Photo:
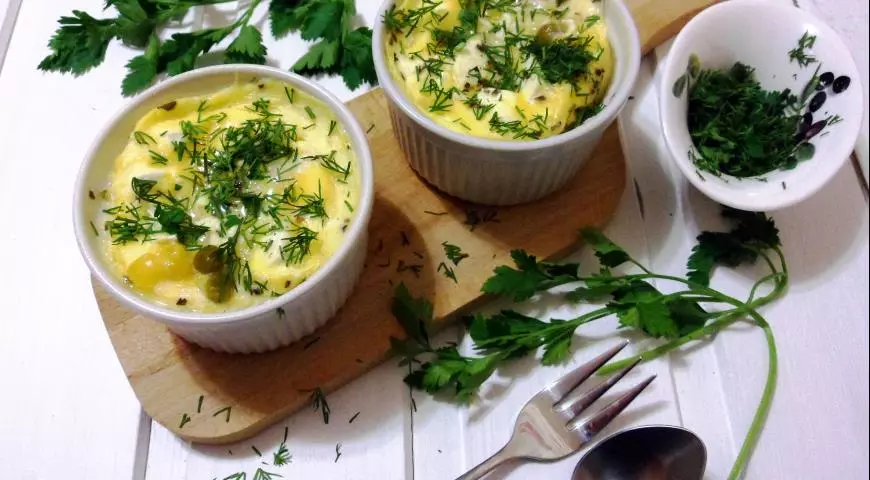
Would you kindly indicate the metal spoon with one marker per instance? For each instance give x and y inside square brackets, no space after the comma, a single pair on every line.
[653,452]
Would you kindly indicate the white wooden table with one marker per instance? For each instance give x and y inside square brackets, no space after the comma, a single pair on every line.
[67,412]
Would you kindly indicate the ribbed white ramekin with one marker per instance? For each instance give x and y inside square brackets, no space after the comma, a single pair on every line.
[269,325]
[501,172]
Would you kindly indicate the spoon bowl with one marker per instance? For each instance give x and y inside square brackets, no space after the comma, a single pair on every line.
[651,452]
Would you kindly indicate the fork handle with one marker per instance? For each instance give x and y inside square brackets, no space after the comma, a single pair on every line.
[487,465]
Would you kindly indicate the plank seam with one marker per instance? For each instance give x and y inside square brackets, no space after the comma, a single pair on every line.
[7,27]
[143,447]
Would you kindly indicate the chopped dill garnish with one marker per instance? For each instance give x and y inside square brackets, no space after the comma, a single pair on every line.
[414,268]
[297,246]
[799,53]
[328,162]
[228,410]
[157,158]
[447,271]
[454,253]
[143,138]
[476,217]
[318,402]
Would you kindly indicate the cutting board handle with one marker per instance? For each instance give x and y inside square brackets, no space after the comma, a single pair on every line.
[659,20]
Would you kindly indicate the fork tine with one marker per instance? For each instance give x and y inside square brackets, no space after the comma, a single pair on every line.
[577,405]
[602,418]
[563,386]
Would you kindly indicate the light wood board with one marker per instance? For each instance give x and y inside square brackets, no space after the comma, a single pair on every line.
[170,375]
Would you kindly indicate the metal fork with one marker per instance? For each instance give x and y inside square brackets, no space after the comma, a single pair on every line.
[548,426]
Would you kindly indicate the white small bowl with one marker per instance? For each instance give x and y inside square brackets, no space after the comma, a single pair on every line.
[268,325]
[760,34]
[500,172]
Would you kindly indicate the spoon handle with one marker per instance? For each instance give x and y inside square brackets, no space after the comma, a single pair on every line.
[487,465]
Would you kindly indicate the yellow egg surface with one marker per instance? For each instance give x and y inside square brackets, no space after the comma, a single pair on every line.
[223,201]
[501,69]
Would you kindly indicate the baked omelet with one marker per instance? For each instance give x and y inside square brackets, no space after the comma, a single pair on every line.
[501,69]
[222,201]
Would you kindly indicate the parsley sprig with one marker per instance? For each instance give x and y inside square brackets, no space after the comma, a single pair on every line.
[677,318]
[81,41]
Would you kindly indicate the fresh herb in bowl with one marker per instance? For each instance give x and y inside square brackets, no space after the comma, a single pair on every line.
[740,129]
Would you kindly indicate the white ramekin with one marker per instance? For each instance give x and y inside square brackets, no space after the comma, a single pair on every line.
[500,172]
[269,325]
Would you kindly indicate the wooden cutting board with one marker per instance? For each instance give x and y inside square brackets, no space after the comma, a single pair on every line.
[188,389]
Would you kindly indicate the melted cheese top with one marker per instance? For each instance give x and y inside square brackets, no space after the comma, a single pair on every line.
[270,212]
[496,68]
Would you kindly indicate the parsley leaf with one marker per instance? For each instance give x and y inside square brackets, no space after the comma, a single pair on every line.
[322,57]
[327,19]
[285,16]
[450,369]
[357,63]
[142,70]
[247,47]
[135,25]
[528,277]
[642,306]
[351,58]
[180,52]
[412,313]
[753,233]
[79,44]
[609,254]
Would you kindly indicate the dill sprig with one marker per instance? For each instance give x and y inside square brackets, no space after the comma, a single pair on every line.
[281,456]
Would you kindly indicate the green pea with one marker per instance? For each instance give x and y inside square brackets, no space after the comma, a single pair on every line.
[551,32]
[218,287]
[208,260]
